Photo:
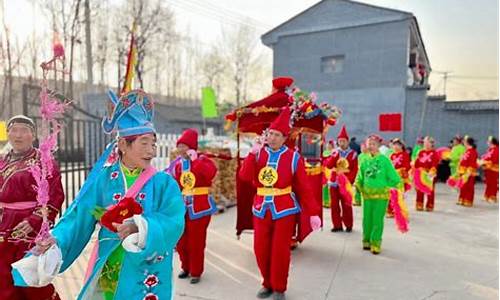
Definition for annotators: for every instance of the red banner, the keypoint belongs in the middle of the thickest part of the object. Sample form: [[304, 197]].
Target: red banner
[[390, 122]]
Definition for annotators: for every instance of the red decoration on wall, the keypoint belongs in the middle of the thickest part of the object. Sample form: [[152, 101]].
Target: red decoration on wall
[[390, 122]]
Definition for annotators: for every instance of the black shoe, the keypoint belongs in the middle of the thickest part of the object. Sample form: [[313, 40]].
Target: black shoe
[[348, 230], [183, 275], [337, 229], [264, 293], [279, 296], [195, 280], [366, 246]]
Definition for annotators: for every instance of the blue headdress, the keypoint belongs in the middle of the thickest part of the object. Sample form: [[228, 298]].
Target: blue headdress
[[132, 114]]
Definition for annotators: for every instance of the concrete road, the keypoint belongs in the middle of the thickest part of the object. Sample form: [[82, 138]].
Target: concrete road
[[451, 253]]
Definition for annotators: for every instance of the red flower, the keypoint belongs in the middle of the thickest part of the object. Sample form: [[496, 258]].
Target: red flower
[[112, 158], [117, 196], [114, 175], [142, 196], [126, 102], [117, 213], [151, 281], [331, 122]]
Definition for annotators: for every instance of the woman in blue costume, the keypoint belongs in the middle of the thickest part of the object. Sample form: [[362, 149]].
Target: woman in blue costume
[[141, 213]]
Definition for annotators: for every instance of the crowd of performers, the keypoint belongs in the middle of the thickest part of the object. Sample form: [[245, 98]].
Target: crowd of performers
[[145, 214]]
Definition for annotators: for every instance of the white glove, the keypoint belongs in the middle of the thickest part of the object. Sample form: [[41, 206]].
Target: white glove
[[315, 223], [258, 143], [193, 155], [137, 241]]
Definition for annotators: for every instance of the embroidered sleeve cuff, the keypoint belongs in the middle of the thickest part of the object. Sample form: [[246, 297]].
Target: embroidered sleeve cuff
[[37, 271]]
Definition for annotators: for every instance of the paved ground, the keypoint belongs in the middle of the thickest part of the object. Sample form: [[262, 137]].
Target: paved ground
[[451, 253]]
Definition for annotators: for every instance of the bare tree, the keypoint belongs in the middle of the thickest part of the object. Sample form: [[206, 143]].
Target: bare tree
[[212, 67], [88, 43], [239, 46], [11, 57], [65, 17], [102, 41], [75, 27], [154, 23]]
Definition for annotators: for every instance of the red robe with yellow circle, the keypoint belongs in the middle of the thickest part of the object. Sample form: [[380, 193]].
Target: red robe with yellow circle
[[195, 180], [283, 196]]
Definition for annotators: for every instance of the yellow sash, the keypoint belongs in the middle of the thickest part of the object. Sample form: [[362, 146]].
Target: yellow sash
[[196, 191], [263, 191]]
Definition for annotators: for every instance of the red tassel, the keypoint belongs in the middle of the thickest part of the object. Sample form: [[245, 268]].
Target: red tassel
[[399, 218]]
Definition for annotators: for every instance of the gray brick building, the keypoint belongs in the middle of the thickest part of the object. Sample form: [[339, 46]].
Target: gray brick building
[[366, 60]]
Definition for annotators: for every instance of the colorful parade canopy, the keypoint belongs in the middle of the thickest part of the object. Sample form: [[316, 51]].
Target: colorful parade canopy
[[307, 117]]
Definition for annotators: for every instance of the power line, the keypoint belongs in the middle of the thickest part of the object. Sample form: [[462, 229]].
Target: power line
[[469, 88], [213, 14], [474, 77], [466, 76], [228, 12]]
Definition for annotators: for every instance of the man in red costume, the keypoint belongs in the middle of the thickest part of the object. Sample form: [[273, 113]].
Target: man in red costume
[[194, 175], [20, 215], [344, 161], [280, 177]]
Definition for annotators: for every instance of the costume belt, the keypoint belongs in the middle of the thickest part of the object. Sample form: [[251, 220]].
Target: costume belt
[[265, 191], [197, 191], [491, 167], [467, 170], [19, 205]]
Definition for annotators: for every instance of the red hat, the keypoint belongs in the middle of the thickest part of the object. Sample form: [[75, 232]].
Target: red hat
[[189, 138], [282, 122], [281, 83], [343, 134]]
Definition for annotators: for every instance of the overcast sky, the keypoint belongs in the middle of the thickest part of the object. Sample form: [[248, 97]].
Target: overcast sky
[[460, 36]]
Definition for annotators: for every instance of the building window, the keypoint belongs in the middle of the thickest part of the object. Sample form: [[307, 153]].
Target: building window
[[332, 64]]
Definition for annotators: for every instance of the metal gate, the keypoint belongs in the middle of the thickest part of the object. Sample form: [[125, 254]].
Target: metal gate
[[81, 141]]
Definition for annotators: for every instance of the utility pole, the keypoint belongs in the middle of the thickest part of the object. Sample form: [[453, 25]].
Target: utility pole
[[445, 79]]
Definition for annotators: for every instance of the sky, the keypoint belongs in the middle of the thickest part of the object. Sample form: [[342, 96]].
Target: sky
[[460, 36]]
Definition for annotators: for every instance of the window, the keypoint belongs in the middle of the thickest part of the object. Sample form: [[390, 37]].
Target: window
[[332, 64]]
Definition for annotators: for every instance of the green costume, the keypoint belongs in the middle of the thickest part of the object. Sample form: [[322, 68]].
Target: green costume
[[376, 176], [357, 196], [108, 280], [455, 155], [326, 189], [415, 151]]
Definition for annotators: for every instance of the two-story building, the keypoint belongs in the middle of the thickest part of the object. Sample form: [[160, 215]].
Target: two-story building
[[369, 61]]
